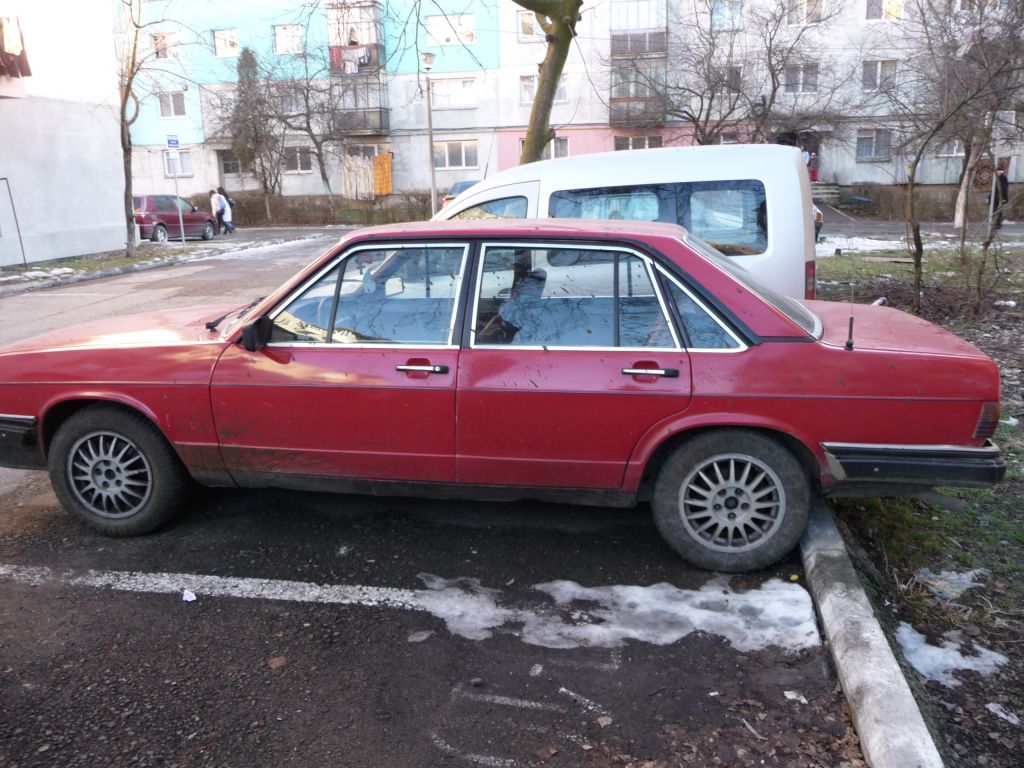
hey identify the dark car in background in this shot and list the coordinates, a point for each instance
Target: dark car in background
(157, 217)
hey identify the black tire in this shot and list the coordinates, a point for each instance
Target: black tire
(128, 480)
(208, 231)
(159, 234)
(707, 496)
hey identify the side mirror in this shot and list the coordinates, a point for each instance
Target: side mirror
(256, 334)
(194, 209)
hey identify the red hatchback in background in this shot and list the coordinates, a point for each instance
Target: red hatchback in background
(157, 217)
(595, 362)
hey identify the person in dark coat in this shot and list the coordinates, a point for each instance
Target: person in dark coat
(1000, 197)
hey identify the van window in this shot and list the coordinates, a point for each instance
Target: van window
(731, 215)
(502, 208)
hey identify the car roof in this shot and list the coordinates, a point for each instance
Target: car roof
(516, 228)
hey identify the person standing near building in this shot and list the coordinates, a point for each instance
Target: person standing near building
(812, 166)
(1000, 197)
(217, 203)
(228, 213)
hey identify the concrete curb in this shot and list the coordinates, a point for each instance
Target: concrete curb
(170, 261)
(892, 732)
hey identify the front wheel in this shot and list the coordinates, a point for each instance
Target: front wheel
(207, 231)
(115, 471)
(731, 500)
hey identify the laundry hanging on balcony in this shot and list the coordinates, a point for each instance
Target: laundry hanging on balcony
(13, 58)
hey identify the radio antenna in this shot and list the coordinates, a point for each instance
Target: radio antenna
(849, 337)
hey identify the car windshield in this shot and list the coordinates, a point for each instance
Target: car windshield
(794, 310)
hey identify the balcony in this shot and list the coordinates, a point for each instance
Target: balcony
(355, 59)
(636, 111)
(365, 122)
(639, 42)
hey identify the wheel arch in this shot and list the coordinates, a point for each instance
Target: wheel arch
(58, 412)
(672, 438)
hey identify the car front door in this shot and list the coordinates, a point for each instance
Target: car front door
(194, 220)
(571, 360)
(358, 379)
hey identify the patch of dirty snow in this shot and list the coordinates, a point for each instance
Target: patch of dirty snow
(938, 662)
(999, 711)
(776, 614)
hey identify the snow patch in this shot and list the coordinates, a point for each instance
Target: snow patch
(938, 662)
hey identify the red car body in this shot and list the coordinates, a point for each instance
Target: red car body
(906, 406)
(157, 217)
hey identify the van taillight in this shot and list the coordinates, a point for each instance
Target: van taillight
(809, 279)
(987, 421)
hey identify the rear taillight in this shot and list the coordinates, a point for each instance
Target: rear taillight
(809, 286)
(987, 421)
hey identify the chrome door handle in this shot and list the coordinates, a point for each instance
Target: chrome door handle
(668, 373)
(423, 368)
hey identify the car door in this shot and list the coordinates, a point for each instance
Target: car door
(167, 212)
(193, 220)
(358, 379)
(571, 359)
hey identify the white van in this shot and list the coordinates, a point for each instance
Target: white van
(750, 201)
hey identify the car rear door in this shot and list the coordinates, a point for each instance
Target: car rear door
(571, 358)
(369, 394)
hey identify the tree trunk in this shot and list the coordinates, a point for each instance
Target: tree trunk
(560, 26)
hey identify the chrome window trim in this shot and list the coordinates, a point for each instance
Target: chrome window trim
(743, 347)
(376, 345)
(534, 347)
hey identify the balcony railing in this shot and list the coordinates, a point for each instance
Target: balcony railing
(636, 112)
(362, 121)
(639, 42)
(355, 59)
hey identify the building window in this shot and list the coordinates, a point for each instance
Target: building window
(455, 154)
(557, 147)
(454, 29)
(177, 163)
(172, 104)
(165, 45)
(367, 151)
(637, 142)
(726, 14)
(733, 79)
(453, 92)
(352, 24)
(529, 28)
(229, 163)
(528, 89)
(886, 10)
(225, 42)
(729, 137)
(287, 38)
(951, 148)
(638, 79)
(878, 75)
(803, 78)
(873, 144)
(638, 14)
(297, 159)
(804, 12)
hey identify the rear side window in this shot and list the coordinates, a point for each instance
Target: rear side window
(163, 203)
(502, 208)
(731, 215)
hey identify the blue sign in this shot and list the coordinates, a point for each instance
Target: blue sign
(172, 141)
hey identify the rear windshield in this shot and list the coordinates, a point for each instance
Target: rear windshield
(731, 215)
(794, 310)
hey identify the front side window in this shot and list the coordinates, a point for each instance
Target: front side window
(177, 163)
(455, 154)
(225, 42)
(568, 297)
(378, 296)
(873, 144)
(172, 104)
(504, 208)
(297, 159)
(287, 39)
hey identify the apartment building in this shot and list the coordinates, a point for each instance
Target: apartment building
(641, 73)
(61, 176)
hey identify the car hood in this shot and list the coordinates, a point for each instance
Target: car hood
(887, 329)
(175, 326)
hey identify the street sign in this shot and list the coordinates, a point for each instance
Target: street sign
(172, 141)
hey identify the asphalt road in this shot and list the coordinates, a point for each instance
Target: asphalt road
(360, 631)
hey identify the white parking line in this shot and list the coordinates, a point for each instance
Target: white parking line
(492, 762)
(505, 701)
(583, 701)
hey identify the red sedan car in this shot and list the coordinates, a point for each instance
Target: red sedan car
(583, 361)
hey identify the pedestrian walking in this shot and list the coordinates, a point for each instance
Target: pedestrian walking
(812, 166)
(217, 204)
(1000, 197)
(805, 154)
(229, 210)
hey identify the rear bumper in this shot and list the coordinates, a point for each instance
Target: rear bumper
(913, 466)
(19, 444)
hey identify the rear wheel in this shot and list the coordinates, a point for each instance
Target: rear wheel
(115, 471)
(160, 234)
(731, 500)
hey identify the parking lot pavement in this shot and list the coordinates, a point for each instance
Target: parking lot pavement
(360, 631)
